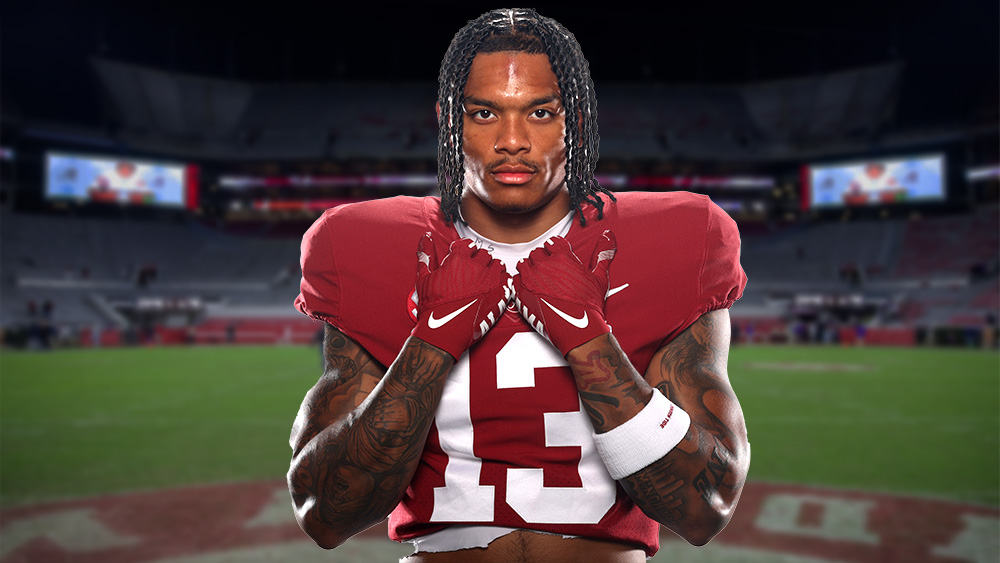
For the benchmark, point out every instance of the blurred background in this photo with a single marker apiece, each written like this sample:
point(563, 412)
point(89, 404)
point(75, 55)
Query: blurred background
point(160, 161)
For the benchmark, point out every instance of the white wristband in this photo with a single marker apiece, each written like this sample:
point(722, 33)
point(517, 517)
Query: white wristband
point(644, 438)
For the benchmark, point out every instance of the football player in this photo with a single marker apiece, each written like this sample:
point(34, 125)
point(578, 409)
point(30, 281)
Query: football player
point(527, 368)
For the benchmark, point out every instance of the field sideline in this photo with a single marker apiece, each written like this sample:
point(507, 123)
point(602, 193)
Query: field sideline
point(88, 422)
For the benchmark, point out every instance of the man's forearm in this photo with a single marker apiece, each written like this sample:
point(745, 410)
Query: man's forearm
point(352, 473)
point(611, 389)
point(692, 489)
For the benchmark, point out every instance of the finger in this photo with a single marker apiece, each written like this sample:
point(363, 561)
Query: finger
point(483, 257)
point(470, 248)
point(515, 285)
point(540, 254)
point(496, 265)
point(604, 252)
point(547, 246)
point(426, 255)
point(556, 245)
point(458, 246)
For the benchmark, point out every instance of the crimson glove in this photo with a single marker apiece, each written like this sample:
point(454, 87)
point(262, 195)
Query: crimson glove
point(459, 300)
point(561, 298)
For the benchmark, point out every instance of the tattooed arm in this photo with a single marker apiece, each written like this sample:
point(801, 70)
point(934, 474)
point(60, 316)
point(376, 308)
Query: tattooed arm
point(358, 435)
point(693, 489)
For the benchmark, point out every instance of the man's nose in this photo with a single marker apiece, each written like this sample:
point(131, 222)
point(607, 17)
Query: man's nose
point(512, 136)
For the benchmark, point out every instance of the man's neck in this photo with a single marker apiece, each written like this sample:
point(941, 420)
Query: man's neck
point(513, 228)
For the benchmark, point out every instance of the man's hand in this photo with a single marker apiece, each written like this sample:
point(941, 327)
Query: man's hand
point(561, 298)
point(460, 298)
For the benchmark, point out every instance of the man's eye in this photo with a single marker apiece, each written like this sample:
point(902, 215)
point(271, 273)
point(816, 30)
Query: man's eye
point(482, 114)
point(541, 113)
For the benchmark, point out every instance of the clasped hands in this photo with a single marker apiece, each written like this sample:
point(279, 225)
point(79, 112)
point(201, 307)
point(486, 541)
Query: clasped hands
point(462, 296)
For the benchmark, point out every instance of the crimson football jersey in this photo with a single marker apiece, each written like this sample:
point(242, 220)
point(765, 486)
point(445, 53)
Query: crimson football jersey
point(511, 444)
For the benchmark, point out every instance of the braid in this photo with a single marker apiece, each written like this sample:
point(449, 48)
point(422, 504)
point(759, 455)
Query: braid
point(520, 30)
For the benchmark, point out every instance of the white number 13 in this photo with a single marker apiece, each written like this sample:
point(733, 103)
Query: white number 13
point(463, 499)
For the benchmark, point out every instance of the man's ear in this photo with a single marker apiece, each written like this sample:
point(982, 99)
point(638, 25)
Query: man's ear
point(437, 110)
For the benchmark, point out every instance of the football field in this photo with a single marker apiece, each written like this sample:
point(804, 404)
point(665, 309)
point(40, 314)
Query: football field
point(87, 423)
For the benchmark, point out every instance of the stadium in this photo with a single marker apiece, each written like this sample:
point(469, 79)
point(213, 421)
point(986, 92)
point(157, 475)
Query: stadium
point(160, 164)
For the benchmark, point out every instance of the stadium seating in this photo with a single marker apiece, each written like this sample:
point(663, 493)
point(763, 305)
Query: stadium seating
point(949, 245)
point(79, 263)
point(816, 252)
point(246, 283)
point(235, 119)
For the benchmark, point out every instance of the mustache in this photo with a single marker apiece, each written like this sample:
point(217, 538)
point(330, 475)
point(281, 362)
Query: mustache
point(519, 161)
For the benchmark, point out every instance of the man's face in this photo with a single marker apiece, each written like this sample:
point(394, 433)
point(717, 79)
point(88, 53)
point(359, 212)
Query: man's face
point(514, 129)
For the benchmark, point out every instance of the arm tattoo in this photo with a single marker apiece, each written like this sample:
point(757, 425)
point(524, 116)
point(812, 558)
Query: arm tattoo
point(611, 390)
point(356, 447)
point(696, 484)
point(590, 402)
point(706, 471)
point(349, 375)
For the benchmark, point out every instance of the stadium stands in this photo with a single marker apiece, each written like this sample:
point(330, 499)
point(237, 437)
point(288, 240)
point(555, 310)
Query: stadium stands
point(92, 270)
point(950, 245)
point(88, 252)
point(356, 120)
point(819, 252)
point(95, 272)
point(204, 283)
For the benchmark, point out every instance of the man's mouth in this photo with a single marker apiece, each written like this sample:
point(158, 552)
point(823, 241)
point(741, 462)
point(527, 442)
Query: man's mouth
point(513, 174)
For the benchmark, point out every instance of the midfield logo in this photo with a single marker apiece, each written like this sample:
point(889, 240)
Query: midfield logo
point(252, 522)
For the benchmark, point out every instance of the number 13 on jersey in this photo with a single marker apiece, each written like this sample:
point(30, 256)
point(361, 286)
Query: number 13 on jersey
point(518, 362)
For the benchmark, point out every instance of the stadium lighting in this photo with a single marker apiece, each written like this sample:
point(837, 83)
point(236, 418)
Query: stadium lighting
point(739, 182)
point(981, 173)
point(382, 180)
point(612, 180)
point(430, 181)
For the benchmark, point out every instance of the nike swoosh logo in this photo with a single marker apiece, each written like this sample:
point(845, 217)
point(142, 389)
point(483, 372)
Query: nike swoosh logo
point(438, 323)
point(615, 290)
point(582, 322)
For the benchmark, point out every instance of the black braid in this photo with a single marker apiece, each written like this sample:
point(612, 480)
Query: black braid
point(520, 30)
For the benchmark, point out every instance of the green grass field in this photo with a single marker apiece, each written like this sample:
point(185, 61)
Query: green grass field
point(86, 422)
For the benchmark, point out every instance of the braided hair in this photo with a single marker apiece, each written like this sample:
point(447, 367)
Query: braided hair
point(522, 30)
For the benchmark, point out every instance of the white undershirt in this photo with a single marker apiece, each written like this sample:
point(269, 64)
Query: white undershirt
point(510, 254)
point(462, 536)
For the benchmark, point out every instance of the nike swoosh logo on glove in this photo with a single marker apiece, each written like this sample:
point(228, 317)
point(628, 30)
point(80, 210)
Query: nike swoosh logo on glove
point(615, 290)
point(438, 323)
point(582, 322)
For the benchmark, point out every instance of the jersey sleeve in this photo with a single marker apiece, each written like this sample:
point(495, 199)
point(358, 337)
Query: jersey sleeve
point(320, 290)
point(721, 280)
